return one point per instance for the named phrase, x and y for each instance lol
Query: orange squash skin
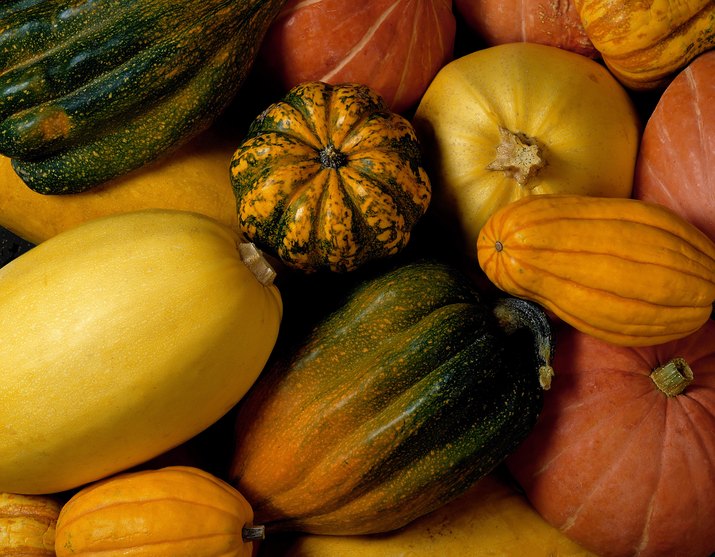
(645, 43)
(27, 525)
(176, 510)
(623, 270)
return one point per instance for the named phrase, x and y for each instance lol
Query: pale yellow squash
(491, 519)
(122, 338)
(194, 178)
(28, 525)
(519, 119)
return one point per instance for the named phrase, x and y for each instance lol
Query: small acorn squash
(122, 338)
(623, 270)
(329, 178)
(646, 43)
(92, 90)
(395, 403)
(167, 512)
(521, 119)
(27, 525)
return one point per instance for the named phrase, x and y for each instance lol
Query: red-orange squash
(677, 152)
(550, 22)
(168, 512)
(622, 461)
(393, 46)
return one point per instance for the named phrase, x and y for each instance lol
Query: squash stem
(253, 533)
(672, 378)
(519, 156)
(256, 263)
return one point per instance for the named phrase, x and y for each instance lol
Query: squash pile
(329, 278)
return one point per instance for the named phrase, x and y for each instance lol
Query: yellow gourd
(194, 178)
(27, 525)
(519, 119)
(122, 338)
(492, 518)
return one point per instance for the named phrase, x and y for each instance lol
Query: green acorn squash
(397, 401)
(91, 90)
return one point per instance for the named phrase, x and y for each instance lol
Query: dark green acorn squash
(90, 90)
(397, 401)
(329, 178)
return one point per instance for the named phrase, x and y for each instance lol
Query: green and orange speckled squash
(396, 402)
(91, 90)
(329, 178)
(625, 271)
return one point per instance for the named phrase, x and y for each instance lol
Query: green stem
(672, 378)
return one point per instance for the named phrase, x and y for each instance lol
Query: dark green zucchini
(396, 402)
(92, 90)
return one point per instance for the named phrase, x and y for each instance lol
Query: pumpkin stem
(330, 157)
(253, 533)
(519, 156)
(256, 263)
(673, 377)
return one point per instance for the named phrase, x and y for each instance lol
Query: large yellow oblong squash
(122, 338)
(625, 271)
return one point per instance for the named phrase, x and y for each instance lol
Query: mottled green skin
(395, 403)
(92, 90)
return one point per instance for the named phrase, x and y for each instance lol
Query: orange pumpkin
(177, 510)
(550, 23)
(623, 458)
(393, 46)
(676, 156)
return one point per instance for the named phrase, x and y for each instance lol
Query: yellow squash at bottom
(625, 271)
(122, 338)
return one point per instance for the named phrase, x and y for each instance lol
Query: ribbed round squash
(395, 403)
(395, 47)
(646, 43)
(623, 457)
(623, 270)
(193, 178)
(677, 151)
(27, 525)
(91, 90)
(124, 337)
(169, 512)
(329, 178)
(520, 119)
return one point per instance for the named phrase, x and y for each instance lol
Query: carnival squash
(395, 403)
(329, 178)
(122, 338)
(553, 23)
(92, 90)
(646, 43)
(394, 47)
(677, 152)
(623, 457)
(27, 525)
(519, 119)
(623, 270)
(168, 512)
(491, 518)
(193, 178)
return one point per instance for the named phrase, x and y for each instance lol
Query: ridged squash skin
(27, 525)
(491, 519)
(166, 512)
(646, 43)
(91, 90)
(192, 178)
(623, 270)
(395, 403)
(124, 337)
(520, 119)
